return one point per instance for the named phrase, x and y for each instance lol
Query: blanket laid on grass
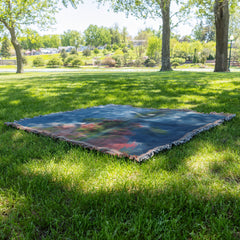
(126, 131)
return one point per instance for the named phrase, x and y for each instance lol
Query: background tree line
(17, 15)
(196, 48)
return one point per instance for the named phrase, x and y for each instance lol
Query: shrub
(109, 61)
(68, 60)
(119, 60)
(131, 46)
(175, 64)
(126, 59)
(130, 63)
(74, 51)
(86, 52)
(63, 54)
(153, 48)
(211, 57)
(180, 54)
(138, 62)
(73, 61)
(125, 50)
(118, 52)
(76, 62)
(109, 48)
(115, 46)
(97, 62)
(38, 62)
(178, 60)
(96, 50)
(203, 59)
(54, 62)
(105, 52)
(150, 62)
(24, 60)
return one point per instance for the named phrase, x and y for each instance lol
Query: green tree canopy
(5, 49)
(234, 25)
(17, 15)
(97, 36)
(145, 34)
(71, 38)
(154, 48)
(205, 32)
(51, 41)
(31, 40)
(115, 35)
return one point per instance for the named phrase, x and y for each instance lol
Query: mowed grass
(53, 190)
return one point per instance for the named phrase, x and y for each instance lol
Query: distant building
(67, 48)
(137, 43)
(82, 48)
(33, 52)
(48, 50)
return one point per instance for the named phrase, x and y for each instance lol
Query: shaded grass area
(53, 190)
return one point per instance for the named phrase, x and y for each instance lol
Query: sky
(88, 13)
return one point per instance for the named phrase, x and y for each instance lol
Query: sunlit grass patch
(52, 190)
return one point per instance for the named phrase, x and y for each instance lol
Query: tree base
(165, 69)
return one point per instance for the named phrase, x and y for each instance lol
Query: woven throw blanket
(123, 130)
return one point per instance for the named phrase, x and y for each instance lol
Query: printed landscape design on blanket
(137, 133)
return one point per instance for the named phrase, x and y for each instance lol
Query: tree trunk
(221, 12)
(17, 48)
(165, 8)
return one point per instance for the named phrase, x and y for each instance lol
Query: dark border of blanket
(187, 137)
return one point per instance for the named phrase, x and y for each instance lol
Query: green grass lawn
(53, 190)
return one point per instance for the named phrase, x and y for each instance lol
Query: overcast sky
(89, 13)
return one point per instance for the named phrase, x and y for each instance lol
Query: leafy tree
(140, 50)
(124, 35)
(145, 8)
(234, 26)
(16, 15)
(154, 48)
(5, 49)
(72, 38)
(97, 36)
(205, 33)
(186, 38)
(51, 41)
(144, 34)
(31, 41)
(96, 50)
(221, 10)
(115, 35)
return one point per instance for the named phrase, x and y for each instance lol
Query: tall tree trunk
(17, 48)
(165, 8)
(221, 12)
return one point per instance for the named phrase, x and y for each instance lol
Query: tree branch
(5, 23)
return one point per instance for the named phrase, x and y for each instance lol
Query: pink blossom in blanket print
(123, 130)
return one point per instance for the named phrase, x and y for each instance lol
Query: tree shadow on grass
(39, 95)
(44, 205)
(110, 198)
(70, 91)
